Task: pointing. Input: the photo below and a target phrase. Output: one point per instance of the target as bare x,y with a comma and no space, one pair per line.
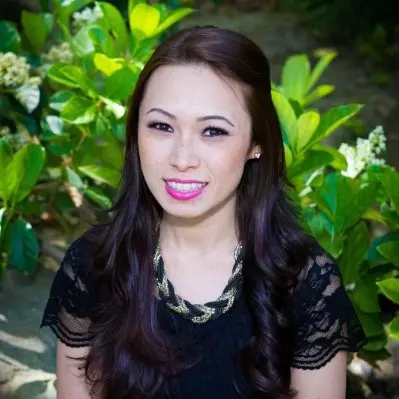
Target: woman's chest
215,352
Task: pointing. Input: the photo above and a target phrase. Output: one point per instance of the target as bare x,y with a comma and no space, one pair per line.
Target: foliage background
65,78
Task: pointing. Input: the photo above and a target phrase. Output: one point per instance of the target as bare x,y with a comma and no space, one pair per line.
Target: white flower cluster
365,153
87,15
59,53
14,70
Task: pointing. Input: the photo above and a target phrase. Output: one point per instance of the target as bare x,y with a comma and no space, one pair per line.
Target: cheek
230,163
150,154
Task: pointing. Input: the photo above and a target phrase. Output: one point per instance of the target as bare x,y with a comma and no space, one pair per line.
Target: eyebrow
201,118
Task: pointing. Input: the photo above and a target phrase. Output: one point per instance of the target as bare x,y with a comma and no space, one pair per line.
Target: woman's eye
164,127
214,132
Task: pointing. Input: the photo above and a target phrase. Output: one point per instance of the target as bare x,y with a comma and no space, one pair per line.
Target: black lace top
324,319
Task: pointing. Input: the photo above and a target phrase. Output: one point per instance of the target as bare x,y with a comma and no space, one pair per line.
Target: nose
184,155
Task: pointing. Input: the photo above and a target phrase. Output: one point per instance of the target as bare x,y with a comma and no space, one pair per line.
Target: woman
202,284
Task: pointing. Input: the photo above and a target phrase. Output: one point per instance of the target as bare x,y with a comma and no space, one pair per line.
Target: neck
194,235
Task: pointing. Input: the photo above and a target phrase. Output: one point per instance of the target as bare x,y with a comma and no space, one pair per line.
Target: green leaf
390,180
120,84
318,93
101,174
337,192
372,324
376,344
374,215
132,4
24,247
28,96
102,40
145,19
320,67
393,328
362,200
333,245
365,295
61,145
81,43
23,171
96,195
288,155
287,118
390,250
78,110
313,160
72,76
173,17
5,159
390,289
36,27
110,151
107,65
10,39
74,179
339,161
115,23
306,125
117,109
332,119
103,126
67,75
295,76
355,250
58,99
31,206
373,356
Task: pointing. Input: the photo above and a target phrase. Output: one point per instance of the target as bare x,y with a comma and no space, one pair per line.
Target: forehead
194,87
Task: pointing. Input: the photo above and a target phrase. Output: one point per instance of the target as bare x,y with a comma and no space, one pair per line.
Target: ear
255,152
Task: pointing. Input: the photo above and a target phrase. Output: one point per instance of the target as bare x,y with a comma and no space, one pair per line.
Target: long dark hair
130,355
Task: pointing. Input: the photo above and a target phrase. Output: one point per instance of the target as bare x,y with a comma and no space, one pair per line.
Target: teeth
185,187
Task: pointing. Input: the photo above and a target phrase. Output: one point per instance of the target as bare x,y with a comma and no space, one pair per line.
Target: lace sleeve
67,311
324,318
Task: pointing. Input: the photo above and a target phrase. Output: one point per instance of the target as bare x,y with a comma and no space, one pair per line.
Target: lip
185,181
184,196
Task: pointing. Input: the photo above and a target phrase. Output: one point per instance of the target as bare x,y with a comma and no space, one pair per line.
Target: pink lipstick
184,190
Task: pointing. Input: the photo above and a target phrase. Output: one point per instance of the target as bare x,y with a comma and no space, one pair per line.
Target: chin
184,212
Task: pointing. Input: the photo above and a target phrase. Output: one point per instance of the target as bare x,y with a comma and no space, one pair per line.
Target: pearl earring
257,155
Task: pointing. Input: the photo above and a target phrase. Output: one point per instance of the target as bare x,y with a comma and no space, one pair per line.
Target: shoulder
81,251
320,267
324,318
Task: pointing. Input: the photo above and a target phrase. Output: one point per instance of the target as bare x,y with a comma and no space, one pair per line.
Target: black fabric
324,319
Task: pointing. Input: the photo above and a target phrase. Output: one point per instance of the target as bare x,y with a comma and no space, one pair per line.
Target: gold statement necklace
199,313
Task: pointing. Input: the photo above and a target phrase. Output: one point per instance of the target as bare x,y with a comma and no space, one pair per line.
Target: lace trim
324,317
68,306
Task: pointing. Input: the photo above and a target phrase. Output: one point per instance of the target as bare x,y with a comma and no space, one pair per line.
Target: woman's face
194,139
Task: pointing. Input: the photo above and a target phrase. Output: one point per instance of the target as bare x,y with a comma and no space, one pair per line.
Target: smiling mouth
185,187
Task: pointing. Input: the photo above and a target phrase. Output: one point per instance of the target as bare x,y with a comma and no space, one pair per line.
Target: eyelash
157,125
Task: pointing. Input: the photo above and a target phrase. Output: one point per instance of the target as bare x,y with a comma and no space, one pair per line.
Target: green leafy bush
70,132
62,142
344,194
